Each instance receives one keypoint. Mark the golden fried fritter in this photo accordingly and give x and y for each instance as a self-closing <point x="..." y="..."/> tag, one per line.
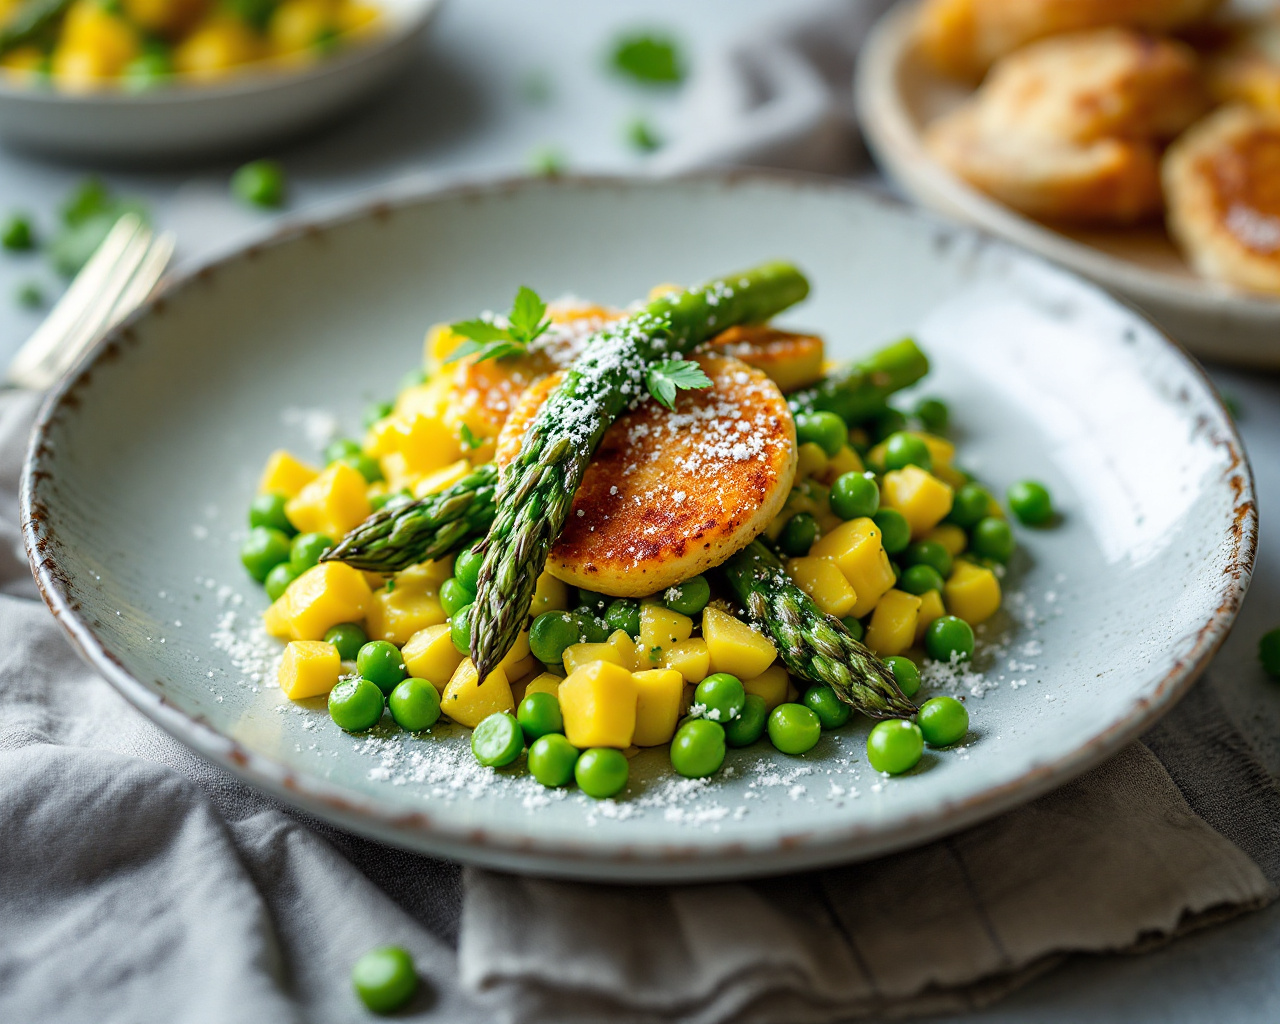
<point x="1242" y="61"/>
<point x="1222" y="185"/>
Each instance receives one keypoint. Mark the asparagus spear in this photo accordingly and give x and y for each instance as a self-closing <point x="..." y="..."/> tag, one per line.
<point x="29" y="20"/>
<point x="860" y="390"/>
<point x="536" y="490"/>
<point x="398" y="536"/>
<point x="432" y="527"/>
<point x="813" y="645"/>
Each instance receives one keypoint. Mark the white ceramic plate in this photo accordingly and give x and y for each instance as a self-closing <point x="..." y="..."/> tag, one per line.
<point x="898" y="94"/>
<point x="142" y="466"/>
<point x="249" y="109"/>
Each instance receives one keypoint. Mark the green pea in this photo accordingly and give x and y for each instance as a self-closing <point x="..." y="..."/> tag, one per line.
<point x="306" y="549"/>
<point x="894" y="746"/>
<point x="340" y="449"/>
<point x="598" y="603"/>
<point x="933" y="415"/>
<point x="539" y="715"/>
<point x="928" y="552"/>
<point x="1269" y="652"/>
<point x="550" y="634"/>
<point x="920" y="579"/>
<point x="376" y="411"/>
<point x="260" y="183"/>
<point x="497" y="740"/>
<point x="552" y="759"/>
<point x="29" y="295"/>
<point x="268" y="510"/>
<point x="385" y="979"/>
<point x="263" y="550"/>
<point x="832" y="712"/>
<point x="689" y="597"/>
<point x="697" y="750"/>
<point x="891" y="421"/>
<point x="943" y="721"/>
<point x="593" y="629"/>
<point x="366" y="465"/>
<point x="750" y="725"/>
<point x="601" y="772"/>
<point x="855" y="495"/>
<point x="16" y="235"/>
<point x="355" y="705"/>
<point x="798" y="534"/>
<point x="855" y="627"/>
<point x="380" y="662"/>
<point x="825" y="429"/>
<point x="992" y="538"/>
<point x="895" y="531"/>
<point x="278" y="580"/>
<point x="624" y="614"/>
<point x="722" y="695"/>
<point x="348" y="637"/>
<point x="794" y="728"/>
<point x="969" y="505"/>
<point x="947" y="636"/>
<point x="466" y="567"/>
<point x="1030" y="502"/>
<point x="905" y="674"/>
<point x="414" y="704"/>
<point x="454" y="595"/>
<point x="149" y="70"/>
<point x="460" y="630"/>
<point x="902" y="449"/>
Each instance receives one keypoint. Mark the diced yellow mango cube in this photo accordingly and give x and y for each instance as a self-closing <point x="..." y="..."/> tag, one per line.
<point x="515" y="658"/>
<point x="921" y="497"/>
<point x="521" y="669"/>
<point x="426" y="576"/>
<point x="434" y="483"/>
<point x="972" y="592"/>
<point x="439" y="344"/>
<point x="398" y="614"/>
<point x="735" y="647"/>
<point x="659" y="702"/>
<point x="332" y="504"/>
<point x="893" y="623"/>
<point x="930" y="608"/>
<point x="381" y="438"/>
<point x="950" y="476"/>
<point x="846" y="460"/>
<point x="950" y="536"/>
<point x="426" y="444"/>
<point x="309" y="668"/>
<point x="429" y="654"/>
<point x="395" y="472"/>
<point x="823" y="581"/>
<point x="941" y="451"/>
<point x="856" y="548"/>
<point x="598" y="702"/>
<point x="578" y="655"/>
<point x="661" y="627"/>
<point x="689" y="657"/>
<point x="626" y="648"/>
<point x="811" y="460"/>
<point x="277" y="618"/>
<point x="772" y="684"/>
<point x="285" y="475"/>
<point x="324" y="596"/>
<point x="469" y="702"/>
<point x="546" y="682"/>
<point x="430" y="399"/>
<point x="549" y="595"/>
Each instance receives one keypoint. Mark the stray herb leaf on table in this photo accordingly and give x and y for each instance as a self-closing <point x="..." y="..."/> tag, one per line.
<point x="649" y="58"/>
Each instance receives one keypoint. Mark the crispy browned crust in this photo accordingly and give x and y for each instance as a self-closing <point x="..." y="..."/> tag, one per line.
<point x="1222" y="182"/>
<point x="672" y="494"/>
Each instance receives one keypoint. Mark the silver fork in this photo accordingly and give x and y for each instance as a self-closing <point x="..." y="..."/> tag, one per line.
<point x="116" y="280"/>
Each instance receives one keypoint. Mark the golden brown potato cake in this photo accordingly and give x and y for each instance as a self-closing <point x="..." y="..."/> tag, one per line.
<point x="963" y="38"/>
<point x="1242" y="60"/>
<point x="671" y="494"/>
<point x="792" y="360"/>
<point x="1065" y="129"/>
<point x="1222" y="184"/>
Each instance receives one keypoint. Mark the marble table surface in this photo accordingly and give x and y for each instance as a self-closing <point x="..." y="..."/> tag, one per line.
<point x="464" y="108"/>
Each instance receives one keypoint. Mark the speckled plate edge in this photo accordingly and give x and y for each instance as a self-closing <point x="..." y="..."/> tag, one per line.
<point x="418" y="831"/>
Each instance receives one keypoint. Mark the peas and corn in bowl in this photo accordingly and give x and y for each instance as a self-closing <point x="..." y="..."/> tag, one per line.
<point x="850" y="549"/>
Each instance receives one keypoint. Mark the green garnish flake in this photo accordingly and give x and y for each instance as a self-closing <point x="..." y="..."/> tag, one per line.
<point x="649" y="58"/>
<point x="672" y="375"/>
<point x="17" y="235"/>
<point x="526" y="322"/>
<point x="469" y="440"/>
<point x="642" y="136"/>
<point x="547" y="162"/>
<point x="30" y="295"/>
<point x="88" y="215"/>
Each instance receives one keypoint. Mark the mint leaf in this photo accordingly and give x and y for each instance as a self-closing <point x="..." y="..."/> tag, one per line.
<point x="672" y="375"/>
<point x="480" y="330"/>
<point x="527" y="312"/>
<point x="653" y="59"/>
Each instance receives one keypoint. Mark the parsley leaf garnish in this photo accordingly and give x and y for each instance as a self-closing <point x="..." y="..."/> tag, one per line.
<point x="469" y="440"/>
<point x="672" y="375"/>
<point x="653" y="59"/>
<point x="526" y="322"/>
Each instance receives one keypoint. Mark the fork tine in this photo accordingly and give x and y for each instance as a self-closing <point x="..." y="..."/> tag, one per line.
<point x="149" y="272"/>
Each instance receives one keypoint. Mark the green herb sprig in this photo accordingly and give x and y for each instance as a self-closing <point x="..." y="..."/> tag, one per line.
<point x="671" y="375"/>
<point x="526" y="322"/>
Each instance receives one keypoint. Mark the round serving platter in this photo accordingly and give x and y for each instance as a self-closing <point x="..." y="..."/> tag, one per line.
<point x="142" y="464"/>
